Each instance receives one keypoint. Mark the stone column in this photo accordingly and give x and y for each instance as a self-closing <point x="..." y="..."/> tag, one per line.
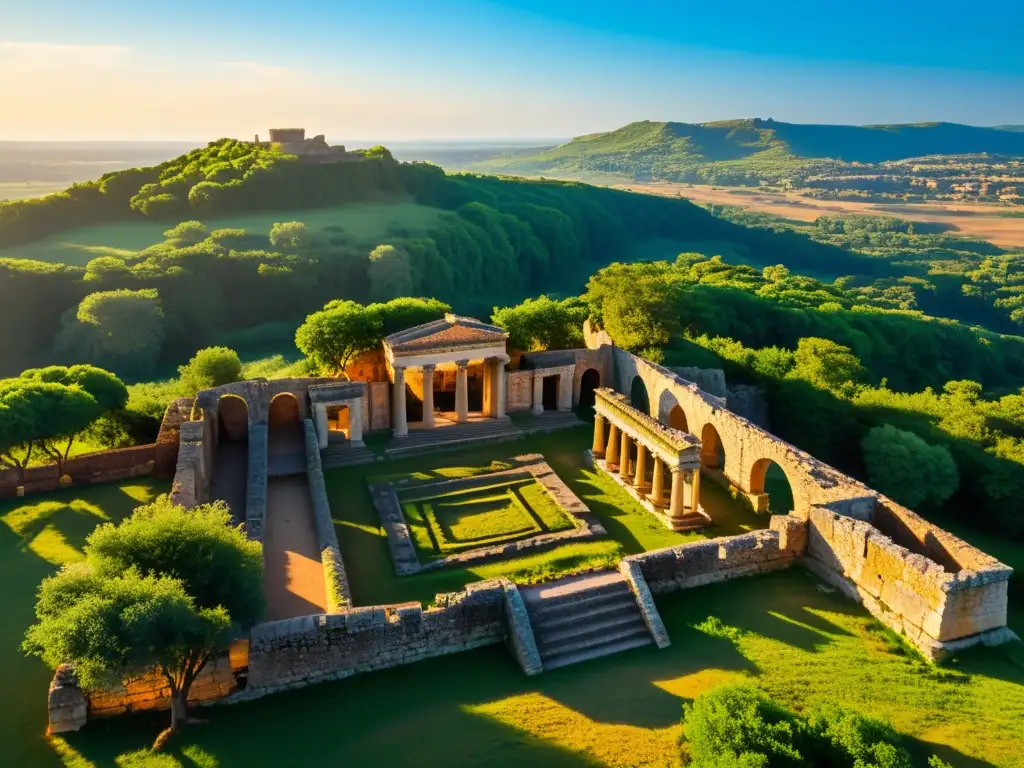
<point x="612" y="455"/>
<point x="675" y="504"/>
<point x="488" y="393"/>
<point x="428" y="396"/>
<point x="499" y="387"/>
<point x="538" y="393"/>
<point x="640" y="472"/>
<point x="399" y="425"/>
<point x="565" y="392"/>
<point x="695" y="490"/>
<point x="624" y="456"/>
<point x="462" y="392"/>
<point x="355" y="421"/>
<point x="598" y="446"/>
<point x="322" y="427"/>
<point x="658" y="486"/>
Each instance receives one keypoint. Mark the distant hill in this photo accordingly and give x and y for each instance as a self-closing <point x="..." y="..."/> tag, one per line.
<point x="738" y="151"/>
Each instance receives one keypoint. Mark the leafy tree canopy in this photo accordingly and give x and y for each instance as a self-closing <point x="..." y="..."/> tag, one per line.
<point x="211" y="367"/>
<point x="903" y="466"/>
<point x="543" y="323"/>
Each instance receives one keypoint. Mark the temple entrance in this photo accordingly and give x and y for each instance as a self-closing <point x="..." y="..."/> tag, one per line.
<point x="550" y="394"/>
<point x="339" y="422"/>
<point x="589" y="381"/>
<point x="476" y="388"/>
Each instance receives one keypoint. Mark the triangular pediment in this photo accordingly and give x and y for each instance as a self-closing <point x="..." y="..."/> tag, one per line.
<point x="450" y="332"/>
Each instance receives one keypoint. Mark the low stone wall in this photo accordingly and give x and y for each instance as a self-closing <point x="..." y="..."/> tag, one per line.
<point x="634" y="576"/>
<point x="519" y="632"/>
<point x="191" y="484"/>
<point x="89" y="468"/>
<point x="256" y="482"/>
<point x="70" y="707"/>
<point x="177" y="413"/>
<point x="939" y="606"/>
<point x="338" y="593"/>
<point x="704" y="562"/>
<point x="294" y="652"/>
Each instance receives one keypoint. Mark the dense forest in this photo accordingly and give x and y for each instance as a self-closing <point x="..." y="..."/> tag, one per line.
<point x="844" y="380"/>
<point x="896" y="160"/>
<point x="493" y="240"/>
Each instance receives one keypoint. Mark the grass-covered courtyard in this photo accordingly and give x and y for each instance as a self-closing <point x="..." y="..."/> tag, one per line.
<point x="802" y="643"/>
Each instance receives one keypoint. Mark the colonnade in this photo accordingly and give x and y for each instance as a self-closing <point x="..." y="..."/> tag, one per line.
<point x="493" y="400"/>
<point x="664" y="472"/>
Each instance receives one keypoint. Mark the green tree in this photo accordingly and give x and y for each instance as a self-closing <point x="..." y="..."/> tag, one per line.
<point x="903" y="466"/>
<point x="828" y="365"/>
<point x="407" y="312"/>
<point x="164" y="591"/>
<point x="122" y="331"/>
<point x="332" y="337"/>
<point x="211" y="367"/>
<point x="187" y="233"/>
<point x="290" y="237"/>
<point x="543" y="323"/>
<point x="389" y="273"/>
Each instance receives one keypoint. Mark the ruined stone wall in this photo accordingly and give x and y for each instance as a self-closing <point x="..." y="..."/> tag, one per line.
<point x="307" y="649"/>
<point x="704" y="562"/>
<point x="192" y="475"/>
<point x="518" y="391"/>
<point x="369" y="366"/>
<point x="939" y="607"/>
<point x="338" y="593"/>
<point x="89" y="468"/>
<point x="177" y="413"/>
<point x="378" y="397"/>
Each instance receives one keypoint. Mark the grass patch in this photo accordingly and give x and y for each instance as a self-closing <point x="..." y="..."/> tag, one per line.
<point x="477" y="709"/>
<point x="37" y="535"/>
<point x="630" y="527"/>
<point x="470" y="518"/>
<point x="365" y="223"/>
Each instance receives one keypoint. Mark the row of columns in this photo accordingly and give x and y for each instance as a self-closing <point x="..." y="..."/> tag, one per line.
<point x="494" y="396"/>
<point x="684" y="493"/>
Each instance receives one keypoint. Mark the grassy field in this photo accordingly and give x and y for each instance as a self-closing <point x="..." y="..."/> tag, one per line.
<point x="803" y="643"/>
<point x="364" y="222"/>
<point x="495" y="513"/>
<point x="631" y="528"/>
<point x="37" y="534"/>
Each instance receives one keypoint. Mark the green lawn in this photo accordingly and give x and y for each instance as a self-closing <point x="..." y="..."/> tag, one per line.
<point x="630" y="527"/>
<point x="477" y="710"/>
<point x="364" y="222"/>
<point x="37" y="534"/>
<point x="483" y="516"/>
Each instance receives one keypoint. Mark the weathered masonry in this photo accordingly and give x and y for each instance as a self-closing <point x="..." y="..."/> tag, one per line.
<point x="632" y="437"/>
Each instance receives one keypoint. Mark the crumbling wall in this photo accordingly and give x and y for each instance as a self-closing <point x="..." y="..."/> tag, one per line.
<point x="177" y="413"/>
<point x="338" y="593"/>
<point x="89" y="468"/>
<point x="307" y="649"/>
<point x="379" y="400"/>
<point x="938" y="607"/>
<point x="518" y="391"/>
<point x="704" y="562"/>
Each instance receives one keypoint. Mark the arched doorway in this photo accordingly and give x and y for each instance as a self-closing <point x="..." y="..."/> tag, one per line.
<point x="677" y="419"/>
<point x="284" y="414"/>
<point x="712" y="452"/>
<point x="638" y="395"/>
<point x="232" y="419"/>
<point x="767" y="477"/>
<point x="286" y="443"/>
<point x="589" y="381"/>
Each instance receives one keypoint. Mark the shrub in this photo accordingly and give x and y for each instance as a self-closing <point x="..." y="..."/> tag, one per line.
<point x="902" y="465"/>
<point x="211" y="367"/>
<point x="844" y="739"/>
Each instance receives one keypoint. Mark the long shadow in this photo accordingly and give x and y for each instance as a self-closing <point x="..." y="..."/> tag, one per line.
<point x="922" y="750"/>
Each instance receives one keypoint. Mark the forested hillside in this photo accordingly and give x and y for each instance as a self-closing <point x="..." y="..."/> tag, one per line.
<point x="754" y="150"/>
<point x="488" y="241"/>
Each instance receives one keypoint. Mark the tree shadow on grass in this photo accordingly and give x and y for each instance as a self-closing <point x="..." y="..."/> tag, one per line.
<point x="920" y="751"/>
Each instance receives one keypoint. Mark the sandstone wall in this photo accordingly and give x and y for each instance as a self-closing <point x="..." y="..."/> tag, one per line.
<point x="294" y="652"/>
<point x="518" y="391"/>
<point x="379" y="400"/>
<point x="704" y="562"/>
<point x="101" y="467"/>
<point x="938" y="607"/>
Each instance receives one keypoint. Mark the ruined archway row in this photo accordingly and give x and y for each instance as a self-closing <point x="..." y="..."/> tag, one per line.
<point x="733" y="448"/>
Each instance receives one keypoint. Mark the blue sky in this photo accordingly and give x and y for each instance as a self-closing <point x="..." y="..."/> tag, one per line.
<point x="397" y="69"/>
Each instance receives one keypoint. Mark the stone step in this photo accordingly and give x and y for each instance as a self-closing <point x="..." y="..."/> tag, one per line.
<point x="588" y="602"/>
<point x="605" y="607"/>
<point x="548" y="421"/>
<point x="593" y="630"/>
<point x="596" y="651"/>
<point x="345" y="454"/>
<point x="454" y="436"/>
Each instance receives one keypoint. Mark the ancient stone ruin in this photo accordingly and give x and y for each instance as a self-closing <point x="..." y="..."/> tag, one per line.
<point x="452" y="383"/>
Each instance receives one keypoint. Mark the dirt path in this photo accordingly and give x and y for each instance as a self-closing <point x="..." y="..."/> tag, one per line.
<point x="293" y="576"/>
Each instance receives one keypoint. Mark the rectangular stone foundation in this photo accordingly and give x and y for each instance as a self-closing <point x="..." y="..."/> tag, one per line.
<point x="691" y="522"/>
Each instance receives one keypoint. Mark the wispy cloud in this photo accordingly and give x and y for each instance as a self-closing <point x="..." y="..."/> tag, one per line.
<point x="20" y="54"/>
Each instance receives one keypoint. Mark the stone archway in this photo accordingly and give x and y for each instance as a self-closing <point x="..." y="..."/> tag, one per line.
<point x="670" y="411"/>
<point x="677" y="419"/>
<point x="712" y="452"/>
<point x="284" y="415"/>
<point x="232" y="419"/>
<point x="589" y="381"/>
<point x="771" y="488"/>
<point x="638" y="397"/>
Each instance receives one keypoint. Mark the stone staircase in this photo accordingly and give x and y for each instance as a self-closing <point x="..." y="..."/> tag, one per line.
<point x="584" y="617"/>
<point x="548" y="421"/>
<point x="451" y="436"/>
<point x="344" y="454"/>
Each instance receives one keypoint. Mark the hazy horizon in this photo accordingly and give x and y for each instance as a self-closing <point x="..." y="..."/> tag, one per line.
<point x="494" y="70"/>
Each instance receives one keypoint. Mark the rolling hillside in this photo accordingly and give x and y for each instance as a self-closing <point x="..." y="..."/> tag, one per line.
<point x="745" y="151"/>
